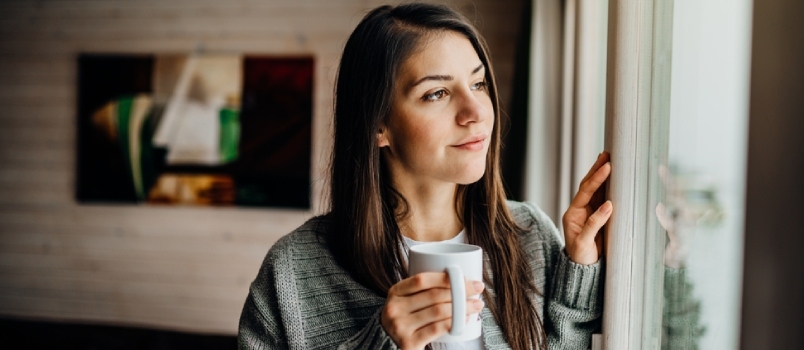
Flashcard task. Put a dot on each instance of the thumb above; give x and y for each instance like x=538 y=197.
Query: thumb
x=595 y=222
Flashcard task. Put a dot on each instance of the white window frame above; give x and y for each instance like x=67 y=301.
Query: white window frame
x=637 y=115
x=595 y=62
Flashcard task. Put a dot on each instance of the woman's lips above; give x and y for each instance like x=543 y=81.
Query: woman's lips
x=476 y=145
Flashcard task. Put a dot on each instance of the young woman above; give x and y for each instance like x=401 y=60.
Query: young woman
x=416 y=159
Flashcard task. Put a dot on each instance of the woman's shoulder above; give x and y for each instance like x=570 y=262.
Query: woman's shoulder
x=528 y=214
x=306 y=241
x=536 y=224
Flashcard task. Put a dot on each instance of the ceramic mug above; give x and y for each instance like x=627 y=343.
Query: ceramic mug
x=459 y=261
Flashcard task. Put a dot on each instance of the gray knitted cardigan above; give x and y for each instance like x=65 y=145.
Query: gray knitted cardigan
x=302 y=299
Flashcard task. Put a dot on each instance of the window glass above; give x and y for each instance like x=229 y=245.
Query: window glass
x=703 y=173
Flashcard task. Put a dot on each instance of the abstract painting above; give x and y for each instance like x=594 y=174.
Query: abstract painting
x=199 y=129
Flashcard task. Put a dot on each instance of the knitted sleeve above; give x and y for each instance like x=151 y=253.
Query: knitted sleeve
x=573 y=292
x=372 y=336
x=279 y=309
x=574 y=304
x=258 y=331
x=260 y=324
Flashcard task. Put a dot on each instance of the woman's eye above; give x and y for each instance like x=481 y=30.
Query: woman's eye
x=435 y=96
x=479 y=86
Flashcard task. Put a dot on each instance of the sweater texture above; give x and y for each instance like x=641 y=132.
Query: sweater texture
x=302 y=299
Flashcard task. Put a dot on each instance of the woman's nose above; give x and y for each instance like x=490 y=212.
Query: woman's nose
x=471 y=109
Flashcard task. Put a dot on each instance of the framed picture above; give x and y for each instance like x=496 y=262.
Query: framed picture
x=201 y=129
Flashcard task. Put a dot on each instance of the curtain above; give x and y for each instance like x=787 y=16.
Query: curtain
x=566 y=99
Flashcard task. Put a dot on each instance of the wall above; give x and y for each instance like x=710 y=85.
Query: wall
x=177 y=268
x=772 y=307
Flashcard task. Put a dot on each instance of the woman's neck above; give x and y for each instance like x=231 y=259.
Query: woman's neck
x=431 y=212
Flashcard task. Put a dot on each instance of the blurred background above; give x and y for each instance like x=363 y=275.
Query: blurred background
x=78 y=243
x=151 y=152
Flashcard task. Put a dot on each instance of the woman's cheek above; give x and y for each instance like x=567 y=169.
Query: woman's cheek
x=421 y=135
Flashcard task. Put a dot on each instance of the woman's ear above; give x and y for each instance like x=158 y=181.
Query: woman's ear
x=382 y=137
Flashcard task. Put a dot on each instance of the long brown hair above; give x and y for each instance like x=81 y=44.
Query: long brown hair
x=365 y=208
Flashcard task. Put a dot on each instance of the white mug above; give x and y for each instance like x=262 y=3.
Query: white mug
x=459 y=261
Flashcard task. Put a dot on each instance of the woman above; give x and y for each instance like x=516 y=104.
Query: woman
x=416 y=159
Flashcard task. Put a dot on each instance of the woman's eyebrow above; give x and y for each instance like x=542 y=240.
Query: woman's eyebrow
x=430 y=77
x=440 y=77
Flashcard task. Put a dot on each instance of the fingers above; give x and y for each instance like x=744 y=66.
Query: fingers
x=590 y=185
x=586 y=248
x=474 y=288
x=432 y=296
x=596 y=221
x=419 y=308
x=422 y=327
x=432 y=331
x=426 y=335
x=442 y=312
x=602 y=158
x=429 y=280
x=599 y=244
x=420 y=282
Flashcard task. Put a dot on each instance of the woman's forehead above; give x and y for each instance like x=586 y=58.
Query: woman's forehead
x=446 y=53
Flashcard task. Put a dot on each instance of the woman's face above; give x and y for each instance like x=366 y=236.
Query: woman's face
x=442 y=117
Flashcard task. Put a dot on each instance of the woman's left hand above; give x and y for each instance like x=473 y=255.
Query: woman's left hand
x=585 y=216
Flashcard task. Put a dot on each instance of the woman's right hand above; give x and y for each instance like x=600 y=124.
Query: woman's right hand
x=419 y=308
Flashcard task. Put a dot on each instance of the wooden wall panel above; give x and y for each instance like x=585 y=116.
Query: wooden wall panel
x=166 y=267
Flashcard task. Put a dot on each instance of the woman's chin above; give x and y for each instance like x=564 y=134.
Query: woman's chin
x=471 y=176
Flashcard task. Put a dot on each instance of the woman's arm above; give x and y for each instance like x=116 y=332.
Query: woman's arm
x=261 y=328
x=371 y=336
x=573 y=304
x=572 y=292
x=418 y=309
x=282 y=312
x=258 y=329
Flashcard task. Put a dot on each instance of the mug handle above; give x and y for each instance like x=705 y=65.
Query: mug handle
x=458 y=291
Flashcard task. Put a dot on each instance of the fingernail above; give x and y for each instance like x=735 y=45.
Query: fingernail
x=480 y=304
x=606 y=207
x=479 y=286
